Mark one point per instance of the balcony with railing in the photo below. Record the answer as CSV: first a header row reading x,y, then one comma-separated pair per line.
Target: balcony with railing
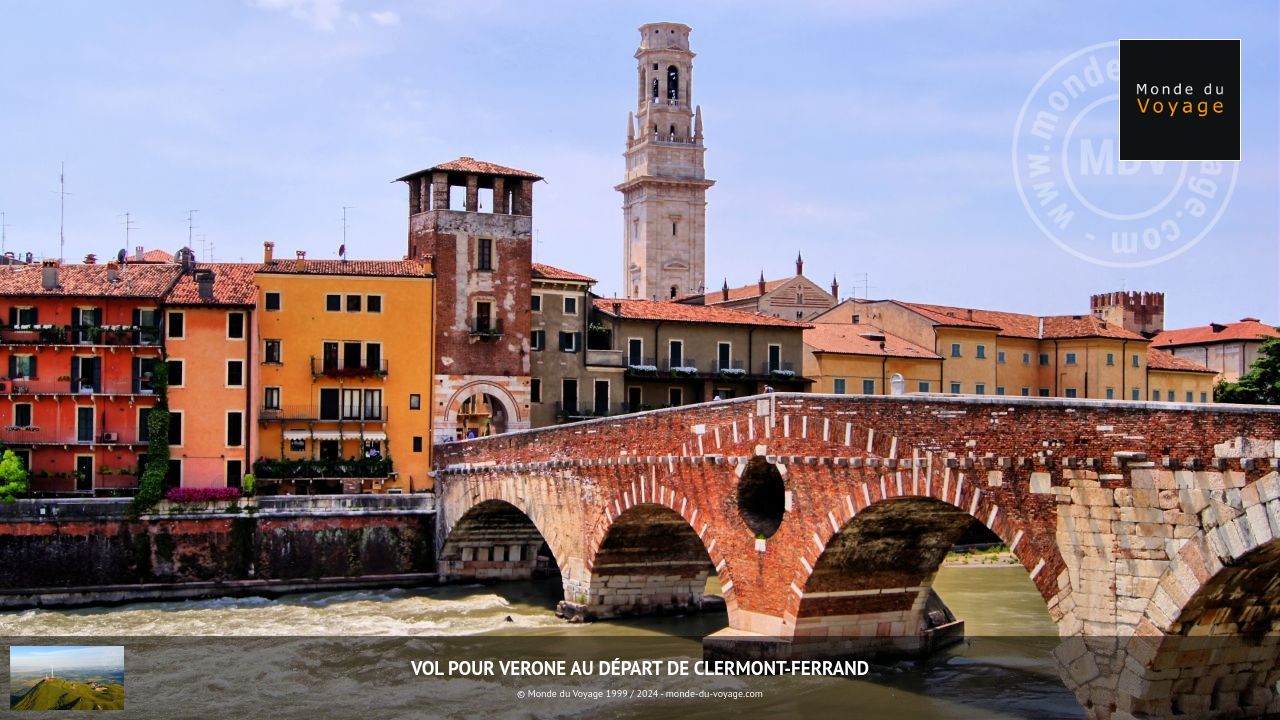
x,y
66,385
18,435
315,413
334,368
484,328
104,335
267,469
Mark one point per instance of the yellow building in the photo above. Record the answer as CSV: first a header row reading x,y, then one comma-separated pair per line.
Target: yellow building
x,y
345,368
858,359
987,352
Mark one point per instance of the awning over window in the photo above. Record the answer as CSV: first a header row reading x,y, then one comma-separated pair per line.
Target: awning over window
x,y
333,435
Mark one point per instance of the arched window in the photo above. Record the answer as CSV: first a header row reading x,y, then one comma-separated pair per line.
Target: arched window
x,y
673,83
655,88
673,292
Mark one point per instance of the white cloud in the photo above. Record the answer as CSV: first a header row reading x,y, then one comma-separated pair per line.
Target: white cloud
x,y
319,14
385,17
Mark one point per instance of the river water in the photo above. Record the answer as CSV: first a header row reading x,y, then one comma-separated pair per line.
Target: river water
x,y
1003,671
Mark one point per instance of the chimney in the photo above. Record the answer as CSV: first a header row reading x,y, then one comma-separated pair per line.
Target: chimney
x,y
49,275
113,271
617,309
761,284
799,264
969,313
724,291
835,289
268,250
90,259
137,253
204,283
300,263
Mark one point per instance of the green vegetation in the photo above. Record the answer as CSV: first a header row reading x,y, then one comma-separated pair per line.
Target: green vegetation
x,y
1259,386
156,468
13,477
247,484
61,694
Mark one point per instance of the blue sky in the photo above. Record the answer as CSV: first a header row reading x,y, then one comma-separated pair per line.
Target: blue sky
x,y
64,657
874,137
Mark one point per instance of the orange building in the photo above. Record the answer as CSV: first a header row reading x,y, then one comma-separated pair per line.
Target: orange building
x,y
211,341
80,347
344,381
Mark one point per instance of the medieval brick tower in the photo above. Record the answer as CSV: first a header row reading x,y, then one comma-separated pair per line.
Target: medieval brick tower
x,y
664,190
1140,312
475,219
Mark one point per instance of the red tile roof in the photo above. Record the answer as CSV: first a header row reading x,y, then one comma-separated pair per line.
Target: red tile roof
x,y
1246,329
471,165
233,284
1082,326
1021,325
155,256
1161,360
744,292
135,280
677,312
379,268
862,340
549,272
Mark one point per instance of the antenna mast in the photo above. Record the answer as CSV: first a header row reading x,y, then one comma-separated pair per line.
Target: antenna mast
x,y
191,217
129,225
345,208
4,226
62,211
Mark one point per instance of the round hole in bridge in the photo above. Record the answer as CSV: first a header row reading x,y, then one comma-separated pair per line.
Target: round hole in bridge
x,y
761,497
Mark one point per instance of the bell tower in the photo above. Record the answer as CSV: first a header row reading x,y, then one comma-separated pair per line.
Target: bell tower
x,y
665,187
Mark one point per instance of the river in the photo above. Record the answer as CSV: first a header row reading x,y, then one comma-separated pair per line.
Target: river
x,y
1003,671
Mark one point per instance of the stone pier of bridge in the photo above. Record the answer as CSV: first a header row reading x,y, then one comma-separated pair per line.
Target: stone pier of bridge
x,y
1149,529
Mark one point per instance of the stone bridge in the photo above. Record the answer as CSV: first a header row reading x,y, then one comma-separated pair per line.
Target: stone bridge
x,y
1150,529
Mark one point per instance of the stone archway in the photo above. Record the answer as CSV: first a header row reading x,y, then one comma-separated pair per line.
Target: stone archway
x,y
480,409
494,540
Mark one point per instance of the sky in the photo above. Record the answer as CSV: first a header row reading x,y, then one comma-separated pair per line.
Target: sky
x,y
26,658
873,137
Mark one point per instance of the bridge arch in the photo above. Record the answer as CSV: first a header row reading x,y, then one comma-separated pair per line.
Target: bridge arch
x,y
650,552
866,580
495,540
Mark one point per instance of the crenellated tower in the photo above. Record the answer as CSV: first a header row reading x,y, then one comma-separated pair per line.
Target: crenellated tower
x,y
665,186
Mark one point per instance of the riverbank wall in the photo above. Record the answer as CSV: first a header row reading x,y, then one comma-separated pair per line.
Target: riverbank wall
x,y
82,552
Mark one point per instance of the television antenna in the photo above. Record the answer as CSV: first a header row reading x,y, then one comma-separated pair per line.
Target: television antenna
x,y
129,226
4,226
62,210
191,224
862,280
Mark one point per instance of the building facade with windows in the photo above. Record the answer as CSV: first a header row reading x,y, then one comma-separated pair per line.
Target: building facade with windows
x,y
80,347
344,387
1229,349
986,352
859,359
474,221
793,298
568,380
675,354
211,344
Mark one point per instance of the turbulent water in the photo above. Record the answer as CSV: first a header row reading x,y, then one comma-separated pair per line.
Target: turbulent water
x,y
999,673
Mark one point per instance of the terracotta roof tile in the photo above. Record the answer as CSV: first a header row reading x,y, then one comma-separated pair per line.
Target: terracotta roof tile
x,y
1161,360
233,284
382,268
156,256
1246,329
744,292
135,280
1022,325
549,272
849,339
471,165
678,312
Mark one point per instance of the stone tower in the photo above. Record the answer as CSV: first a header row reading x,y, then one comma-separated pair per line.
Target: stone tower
x,y
664,190
475,219
1140,312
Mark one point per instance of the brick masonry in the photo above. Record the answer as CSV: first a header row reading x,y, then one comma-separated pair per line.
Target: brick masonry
x,y
1138,524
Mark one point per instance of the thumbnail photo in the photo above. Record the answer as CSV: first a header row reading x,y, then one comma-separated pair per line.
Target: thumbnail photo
x,y
66,677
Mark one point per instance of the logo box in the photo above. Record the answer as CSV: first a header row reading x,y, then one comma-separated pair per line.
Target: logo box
x,y
1180,99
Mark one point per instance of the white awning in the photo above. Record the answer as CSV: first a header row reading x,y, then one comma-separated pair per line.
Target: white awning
x,y
333,435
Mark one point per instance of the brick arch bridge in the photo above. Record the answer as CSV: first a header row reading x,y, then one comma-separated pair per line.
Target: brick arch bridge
x,y
826,518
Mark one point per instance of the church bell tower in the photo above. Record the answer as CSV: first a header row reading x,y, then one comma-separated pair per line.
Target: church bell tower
x,y
665,186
